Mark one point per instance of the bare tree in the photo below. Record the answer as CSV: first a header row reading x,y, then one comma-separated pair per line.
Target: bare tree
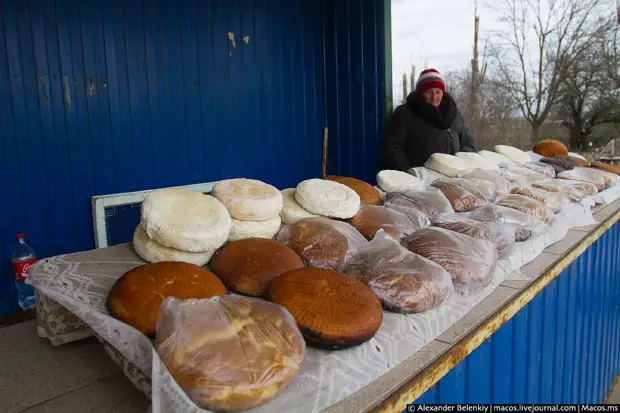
x,y
541,41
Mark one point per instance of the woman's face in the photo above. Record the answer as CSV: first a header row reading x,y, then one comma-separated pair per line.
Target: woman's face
x,y
433,96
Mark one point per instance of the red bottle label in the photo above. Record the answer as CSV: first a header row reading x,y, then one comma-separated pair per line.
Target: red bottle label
x,y
22,268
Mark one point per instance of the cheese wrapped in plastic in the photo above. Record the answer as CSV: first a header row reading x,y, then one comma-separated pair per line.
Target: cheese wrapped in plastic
x,y
403,281
471,262
529,206
525,226
497,233
371,219
540,168
229,353
322,242
431,202
463,195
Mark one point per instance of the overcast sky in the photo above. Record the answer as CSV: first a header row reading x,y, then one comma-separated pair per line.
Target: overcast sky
x,y
437,32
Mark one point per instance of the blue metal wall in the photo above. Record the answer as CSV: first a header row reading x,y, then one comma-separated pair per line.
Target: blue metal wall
x,y
563,347
105,96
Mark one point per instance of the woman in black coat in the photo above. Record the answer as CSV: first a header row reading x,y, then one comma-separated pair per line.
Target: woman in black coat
x,y
428,123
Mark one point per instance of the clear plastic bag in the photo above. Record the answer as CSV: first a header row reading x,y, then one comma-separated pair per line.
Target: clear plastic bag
x,y
425,175
500,235
371,219
431,202
229,353
471,262
529,206
528,193
586,175
559,165
322,242
500,184
540,168
403,281
463,195
525,226
574,191
517,179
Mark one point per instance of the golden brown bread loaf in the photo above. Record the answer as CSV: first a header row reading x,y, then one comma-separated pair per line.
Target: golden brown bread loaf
x,y
550,147
135,298
529,206
332,310
432,203
501,235
372,218
526,192
471,262
229,353
403,281
322,242
368,194
614,169
248,266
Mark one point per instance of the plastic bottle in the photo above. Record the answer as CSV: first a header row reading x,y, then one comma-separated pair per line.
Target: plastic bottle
x,y
23,259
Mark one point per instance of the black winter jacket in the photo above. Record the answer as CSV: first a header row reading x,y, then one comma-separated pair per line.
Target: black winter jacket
x,y
418,129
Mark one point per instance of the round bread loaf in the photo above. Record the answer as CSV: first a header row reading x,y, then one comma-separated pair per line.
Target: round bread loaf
x,y
372,218
332,310
317,242
550,147
368,194
135,298
249,199
248,266
229,353
614,169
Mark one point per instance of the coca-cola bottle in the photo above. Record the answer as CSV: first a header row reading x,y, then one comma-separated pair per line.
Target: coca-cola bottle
x,y
23,259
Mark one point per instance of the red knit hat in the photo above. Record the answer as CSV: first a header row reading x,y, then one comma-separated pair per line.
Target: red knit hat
x,y
429,79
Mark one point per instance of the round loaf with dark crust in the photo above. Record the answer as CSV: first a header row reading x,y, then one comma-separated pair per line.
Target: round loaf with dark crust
x,y
247,266
135,298
332,310
550,147
368,194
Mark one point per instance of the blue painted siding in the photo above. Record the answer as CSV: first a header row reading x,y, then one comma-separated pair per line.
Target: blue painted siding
x,y
107,96
563,347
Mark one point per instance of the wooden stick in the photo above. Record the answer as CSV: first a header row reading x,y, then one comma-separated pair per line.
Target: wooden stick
x,y
325,140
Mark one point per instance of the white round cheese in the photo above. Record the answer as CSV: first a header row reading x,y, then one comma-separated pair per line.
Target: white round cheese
x,y
327,198
254,229
291,210
576,155
448,165
249,199
514,154
185,220
397,181
474,160
501,160
151,251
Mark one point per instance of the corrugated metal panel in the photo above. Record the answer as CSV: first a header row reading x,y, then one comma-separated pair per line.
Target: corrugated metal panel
x,y
106,96
561,348
355,51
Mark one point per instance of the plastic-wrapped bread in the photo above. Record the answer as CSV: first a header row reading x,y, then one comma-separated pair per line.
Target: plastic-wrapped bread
x,y
229,353
431,202
574,191
372,218
500,235
448,165
528,193
559,165
529,206
460,196
494,179
540,168
579,162
470,262
403,281
322,242
587,175
525,226
517,179
425,175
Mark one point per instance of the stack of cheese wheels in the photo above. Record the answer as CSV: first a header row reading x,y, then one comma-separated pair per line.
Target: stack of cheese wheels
x,y
291,210
253,205
180,225
327,198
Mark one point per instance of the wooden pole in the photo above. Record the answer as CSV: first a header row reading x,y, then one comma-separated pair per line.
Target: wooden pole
x,y
325,141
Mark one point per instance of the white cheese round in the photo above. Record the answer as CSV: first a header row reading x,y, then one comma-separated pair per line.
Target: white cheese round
x,y
474,160
291,210
501,160
514,154
327,198
448,165
254,229
151,251
397,181
185,220
249,199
